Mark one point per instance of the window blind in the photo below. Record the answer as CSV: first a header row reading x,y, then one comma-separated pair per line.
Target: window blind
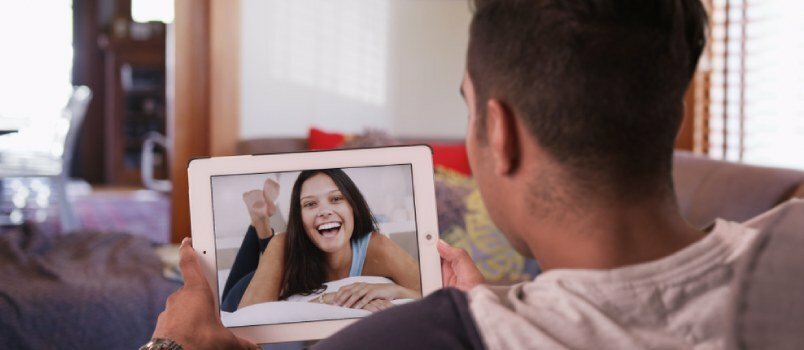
x,y
749,92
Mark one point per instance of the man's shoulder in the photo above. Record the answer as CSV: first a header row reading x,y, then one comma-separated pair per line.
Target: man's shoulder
x,y
441,320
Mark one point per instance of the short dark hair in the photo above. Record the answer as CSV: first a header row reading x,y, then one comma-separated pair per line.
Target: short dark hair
x,y
599,83
304,262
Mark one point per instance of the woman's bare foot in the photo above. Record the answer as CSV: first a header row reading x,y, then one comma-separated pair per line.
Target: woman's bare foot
x,y
259,212
270,189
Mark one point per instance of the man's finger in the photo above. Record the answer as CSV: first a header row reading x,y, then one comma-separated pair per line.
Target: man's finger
x,y
446,273
188,264
448,252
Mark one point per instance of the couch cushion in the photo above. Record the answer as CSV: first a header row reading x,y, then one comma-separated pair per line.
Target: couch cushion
x,y
708,189
464,222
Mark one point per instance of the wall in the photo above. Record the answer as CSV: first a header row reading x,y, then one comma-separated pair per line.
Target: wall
x,y
350,64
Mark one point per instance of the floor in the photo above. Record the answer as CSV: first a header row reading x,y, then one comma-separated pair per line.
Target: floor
x,y
107,209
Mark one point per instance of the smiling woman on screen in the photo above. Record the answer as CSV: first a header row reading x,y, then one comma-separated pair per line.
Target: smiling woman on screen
x,y
331,235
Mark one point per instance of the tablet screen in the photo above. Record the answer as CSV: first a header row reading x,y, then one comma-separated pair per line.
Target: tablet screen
x,y
313,245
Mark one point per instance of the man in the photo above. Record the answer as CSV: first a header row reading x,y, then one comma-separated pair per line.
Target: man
x,y
573,110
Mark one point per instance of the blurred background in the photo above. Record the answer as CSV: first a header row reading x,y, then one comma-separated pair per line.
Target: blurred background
x,y
169,80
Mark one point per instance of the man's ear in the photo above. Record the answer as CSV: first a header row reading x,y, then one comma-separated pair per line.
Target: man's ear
x,y
502,137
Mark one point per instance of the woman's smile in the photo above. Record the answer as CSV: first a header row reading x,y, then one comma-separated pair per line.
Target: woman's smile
x,y
330,229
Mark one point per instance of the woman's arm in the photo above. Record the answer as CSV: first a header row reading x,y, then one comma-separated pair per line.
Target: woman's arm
x,y
383,258
267,281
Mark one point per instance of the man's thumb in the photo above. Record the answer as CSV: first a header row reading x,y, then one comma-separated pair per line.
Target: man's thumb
x,y
448,252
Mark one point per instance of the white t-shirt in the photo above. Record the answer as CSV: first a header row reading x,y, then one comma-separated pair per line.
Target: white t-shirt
x,y
677,302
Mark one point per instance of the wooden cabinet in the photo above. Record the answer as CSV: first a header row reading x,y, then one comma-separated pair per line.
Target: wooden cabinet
x,y
134,105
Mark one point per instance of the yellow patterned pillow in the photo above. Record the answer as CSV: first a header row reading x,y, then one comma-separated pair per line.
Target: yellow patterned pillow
x,y
465,223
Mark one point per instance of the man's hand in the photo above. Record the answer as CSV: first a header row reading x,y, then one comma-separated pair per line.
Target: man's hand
x,y
457,268
190,317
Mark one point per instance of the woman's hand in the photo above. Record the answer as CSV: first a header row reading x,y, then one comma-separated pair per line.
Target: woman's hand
x,y
190,317
377,305
373,305
358,295
457,268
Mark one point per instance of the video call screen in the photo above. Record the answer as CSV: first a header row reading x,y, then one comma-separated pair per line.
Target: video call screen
x,y
313,245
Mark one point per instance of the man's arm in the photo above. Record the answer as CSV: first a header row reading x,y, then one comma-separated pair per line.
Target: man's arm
x,y
439,321
190,318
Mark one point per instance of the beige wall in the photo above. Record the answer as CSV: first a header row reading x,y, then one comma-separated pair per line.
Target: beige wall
x,y
350,64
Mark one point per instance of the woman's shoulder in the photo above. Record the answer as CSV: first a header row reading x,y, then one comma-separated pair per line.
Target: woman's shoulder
x,y
279,239
377,255
378,240
381,245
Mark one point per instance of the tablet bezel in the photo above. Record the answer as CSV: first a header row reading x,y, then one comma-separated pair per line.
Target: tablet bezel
x,y
200,172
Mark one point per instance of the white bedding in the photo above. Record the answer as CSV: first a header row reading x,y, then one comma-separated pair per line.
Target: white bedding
x,y
298,308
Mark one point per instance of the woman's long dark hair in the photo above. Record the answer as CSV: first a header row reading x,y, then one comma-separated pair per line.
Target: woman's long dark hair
x,y
304,262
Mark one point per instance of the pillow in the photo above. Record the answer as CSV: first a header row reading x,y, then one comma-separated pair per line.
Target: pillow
x,y
464,222
318,139
451,156
370,138
447,155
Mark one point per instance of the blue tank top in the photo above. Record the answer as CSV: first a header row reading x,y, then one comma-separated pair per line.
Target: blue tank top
x,y
359,248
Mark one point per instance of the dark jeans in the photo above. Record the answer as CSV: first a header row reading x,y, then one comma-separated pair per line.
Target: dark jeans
x,y
243,269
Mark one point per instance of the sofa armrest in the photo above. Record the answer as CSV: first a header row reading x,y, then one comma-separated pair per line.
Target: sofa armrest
x,y
798,192
708,189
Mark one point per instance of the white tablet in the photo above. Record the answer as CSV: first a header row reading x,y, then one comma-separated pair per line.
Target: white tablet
x,y
296,246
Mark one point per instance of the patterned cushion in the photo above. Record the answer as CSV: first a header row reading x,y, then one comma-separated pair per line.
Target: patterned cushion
x,y
462,218
464,222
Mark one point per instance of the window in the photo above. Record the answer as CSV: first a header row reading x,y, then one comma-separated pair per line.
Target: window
x,y
36,60
144,11
750,95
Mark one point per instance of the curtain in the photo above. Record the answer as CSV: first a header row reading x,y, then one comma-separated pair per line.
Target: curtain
x,y
749,91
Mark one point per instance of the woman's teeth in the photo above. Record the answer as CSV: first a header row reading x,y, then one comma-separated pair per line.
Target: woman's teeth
x,y
330,228
329,225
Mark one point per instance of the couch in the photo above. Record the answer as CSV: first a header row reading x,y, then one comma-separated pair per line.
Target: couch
x,y
706,189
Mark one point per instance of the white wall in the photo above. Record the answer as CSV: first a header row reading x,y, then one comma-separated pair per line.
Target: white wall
x,y
345,65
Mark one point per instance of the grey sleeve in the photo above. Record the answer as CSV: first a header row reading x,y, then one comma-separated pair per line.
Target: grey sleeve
x,y
439,321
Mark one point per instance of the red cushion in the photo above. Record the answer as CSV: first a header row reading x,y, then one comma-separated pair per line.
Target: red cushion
x,y
446,155
319,139
451,156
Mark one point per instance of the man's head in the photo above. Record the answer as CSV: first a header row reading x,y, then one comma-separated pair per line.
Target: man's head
x,y
598,85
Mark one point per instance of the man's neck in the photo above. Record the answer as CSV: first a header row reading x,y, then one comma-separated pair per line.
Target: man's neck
x,y
610,236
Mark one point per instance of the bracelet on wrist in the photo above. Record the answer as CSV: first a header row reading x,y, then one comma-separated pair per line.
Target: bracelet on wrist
x,y
161,344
